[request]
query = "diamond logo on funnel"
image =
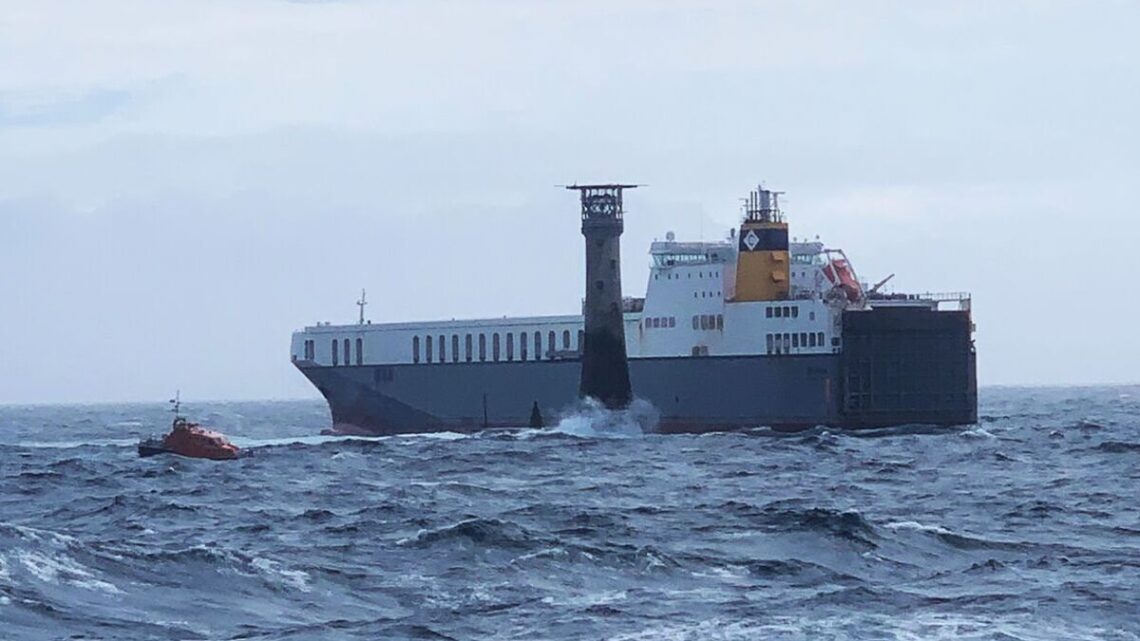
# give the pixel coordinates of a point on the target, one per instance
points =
(751, 240)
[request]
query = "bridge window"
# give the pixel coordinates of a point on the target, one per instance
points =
(467, 348)
(696, 322)
(415, 349)
(672, 321)
(811, 339)
(336, 360)
(510, 346)
(821, 341)
(359, 351)
(704, 321)
(768, 340)
(795, 312)
(795, 340)
(482, 348)
(523, 346)
(811, 315)
(538, 346)
(550, 344)
(768, 312)
(442, 348)
(720, 321)
(803, 339)
(495, 346)
(455, 348)
(347, 358)
(565, 339)
(427, 348)
(787, 344)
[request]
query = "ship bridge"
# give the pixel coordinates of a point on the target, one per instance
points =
(670, 253)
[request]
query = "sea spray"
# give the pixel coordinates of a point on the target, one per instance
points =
(589, 418)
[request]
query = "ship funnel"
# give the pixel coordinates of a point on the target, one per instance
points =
(762, 266)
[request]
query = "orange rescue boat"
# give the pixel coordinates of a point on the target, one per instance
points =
(190, 439)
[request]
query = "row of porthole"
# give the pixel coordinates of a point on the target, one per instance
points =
(669, 276)
(434, 348)
(708, 321)
(784, 343)
(310, 351)
(784, 311)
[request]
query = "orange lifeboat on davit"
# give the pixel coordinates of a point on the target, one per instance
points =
(191, 439)
(840, 274)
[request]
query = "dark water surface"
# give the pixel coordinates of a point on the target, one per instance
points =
(1026, 526)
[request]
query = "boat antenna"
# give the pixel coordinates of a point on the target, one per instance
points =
(176, 403)
(361, 303)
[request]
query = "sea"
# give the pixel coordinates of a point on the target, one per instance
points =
(1023, 526)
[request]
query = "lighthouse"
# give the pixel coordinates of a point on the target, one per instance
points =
(605, 368)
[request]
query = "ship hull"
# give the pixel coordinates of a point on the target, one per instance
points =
(690, 394)
(897, 367)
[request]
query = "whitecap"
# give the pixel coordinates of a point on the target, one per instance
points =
(916, 526)
(296, 579)
(68, 445)
(977, 432)
(63, 569)
(590, 419)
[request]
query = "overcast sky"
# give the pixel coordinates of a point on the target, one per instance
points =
(185, 182)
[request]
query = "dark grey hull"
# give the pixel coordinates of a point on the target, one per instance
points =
(898, 366)
(691, 394)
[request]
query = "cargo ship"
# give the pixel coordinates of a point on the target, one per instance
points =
(754, 330)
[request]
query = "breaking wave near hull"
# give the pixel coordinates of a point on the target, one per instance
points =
(589, 418)
(1023, 527)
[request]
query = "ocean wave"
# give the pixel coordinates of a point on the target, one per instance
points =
(49, 557)
(1118, 447)
(955, 539)
(480, 532)
(779, 517)
(589, 419)
(797, 573)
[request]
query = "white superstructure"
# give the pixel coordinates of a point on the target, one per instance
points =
(688, 310)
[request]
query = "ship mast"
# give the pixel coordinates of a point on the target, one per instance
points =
(361, 303)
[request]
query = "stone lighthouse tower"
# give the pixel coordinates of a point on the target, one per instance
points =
(605, 369)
